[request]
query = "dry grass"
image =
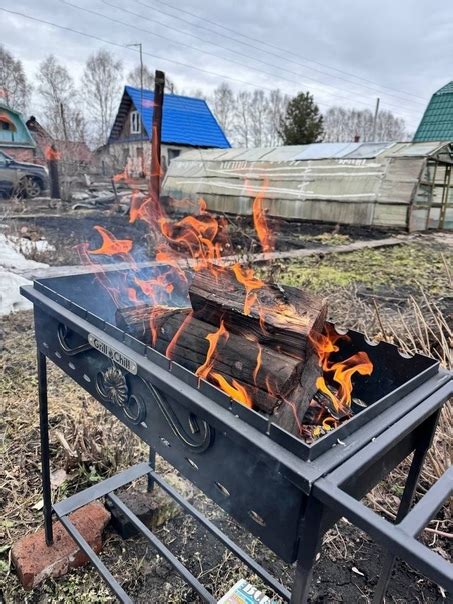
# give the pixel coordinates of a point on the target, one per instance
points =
(422, 328)
(402, 295)
(88, 444)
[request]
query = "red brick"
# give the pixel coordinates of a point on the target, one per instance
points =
(35, 561)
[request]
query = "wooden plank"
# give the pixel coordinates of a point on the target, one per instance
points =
(57, 271)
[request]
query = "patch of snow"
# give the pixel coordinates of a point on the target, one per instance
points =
(26, 246)
(10, 297)
(103, 193)
(80, 196)
(11, 259)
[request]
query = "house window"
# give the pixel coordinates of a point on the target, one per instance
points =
(173, 154)
(5, 125)
(135, 123)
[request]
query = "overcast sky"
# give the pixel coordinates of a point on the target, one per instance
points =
(345, 52)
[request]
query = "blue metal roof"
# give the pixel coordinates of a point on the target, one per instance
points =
(186, 120)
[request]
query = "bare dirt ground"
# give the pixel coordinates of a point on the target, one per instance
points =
(403, 294)
(64, 229)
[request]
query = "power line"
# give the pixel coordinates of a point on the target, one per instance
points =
(179, 43)
(152, 33)
(179, 9)
(124, 46)
(297, 83)
(118, 45)
(179, 18)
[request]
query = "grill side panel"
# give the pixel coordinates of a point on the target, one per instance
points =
(247, 484)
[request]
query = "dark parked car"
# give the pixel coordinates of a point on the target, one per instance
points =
(21, 178)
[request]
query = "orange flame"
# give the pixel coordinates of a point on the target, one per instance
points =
(110, 244)
(213, 338)
(236, 390)
(259, 358)
(171, 347)
(324, 345)
(261, 225)
(245, 276)
(132, 295)
(121, 176)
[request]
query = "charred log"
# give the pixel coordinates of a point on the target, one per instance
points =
(283, 317)
(266, 350)
(235, 357)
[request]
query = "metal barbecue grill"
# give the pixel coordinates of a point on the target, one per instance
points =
(196, 428)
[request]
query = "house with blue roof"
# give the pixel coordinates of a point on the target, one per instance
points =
(187, 124)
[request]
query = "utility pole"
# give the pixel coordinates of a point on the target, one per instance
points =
(376, 111)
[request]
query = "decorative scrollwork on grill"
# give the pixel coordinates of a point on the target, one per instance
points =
(62, 334)
(196, 426)
(112, 386)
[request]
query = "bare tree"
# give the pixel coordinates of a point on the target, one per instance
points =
(224, 106)
(250, 118)
(390, 128)
(259, 114)
(14, 87)
(134, 79)
(101, 85)
(242, 118)
(62, 117)
(196, 93)
(277, 106)
(344, 125)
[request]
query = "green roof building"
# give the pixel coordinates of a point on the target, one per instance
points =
(437, 121)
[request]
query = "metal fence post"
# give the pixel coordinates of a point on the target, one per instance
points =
(45, 454)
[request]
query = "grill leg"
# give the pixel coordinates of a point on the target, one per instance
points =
(45, 454)
(406, 502)
(312, 535)
(152, 463)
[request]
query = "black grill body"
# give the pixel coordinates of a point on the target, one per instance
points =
(257, 472)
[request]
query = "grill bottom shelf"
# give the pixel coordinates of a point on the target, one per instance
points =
(106, 489)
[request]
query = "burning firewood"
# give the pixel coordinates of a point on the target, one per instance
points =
(255, 347)
(265, 345)
(265, 373)
(285, 316)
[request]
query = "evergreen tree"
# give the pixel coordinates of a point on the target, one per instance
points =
(302, 123)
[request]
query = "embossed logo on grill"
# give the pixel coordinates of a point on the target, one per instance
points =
(116, 356)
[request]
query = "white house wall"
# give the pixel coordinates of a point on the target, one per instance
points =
(114, 156)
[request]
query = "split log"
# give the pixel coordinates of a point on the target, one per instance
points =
(283, 317)
(283, 385)
(236, 357)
